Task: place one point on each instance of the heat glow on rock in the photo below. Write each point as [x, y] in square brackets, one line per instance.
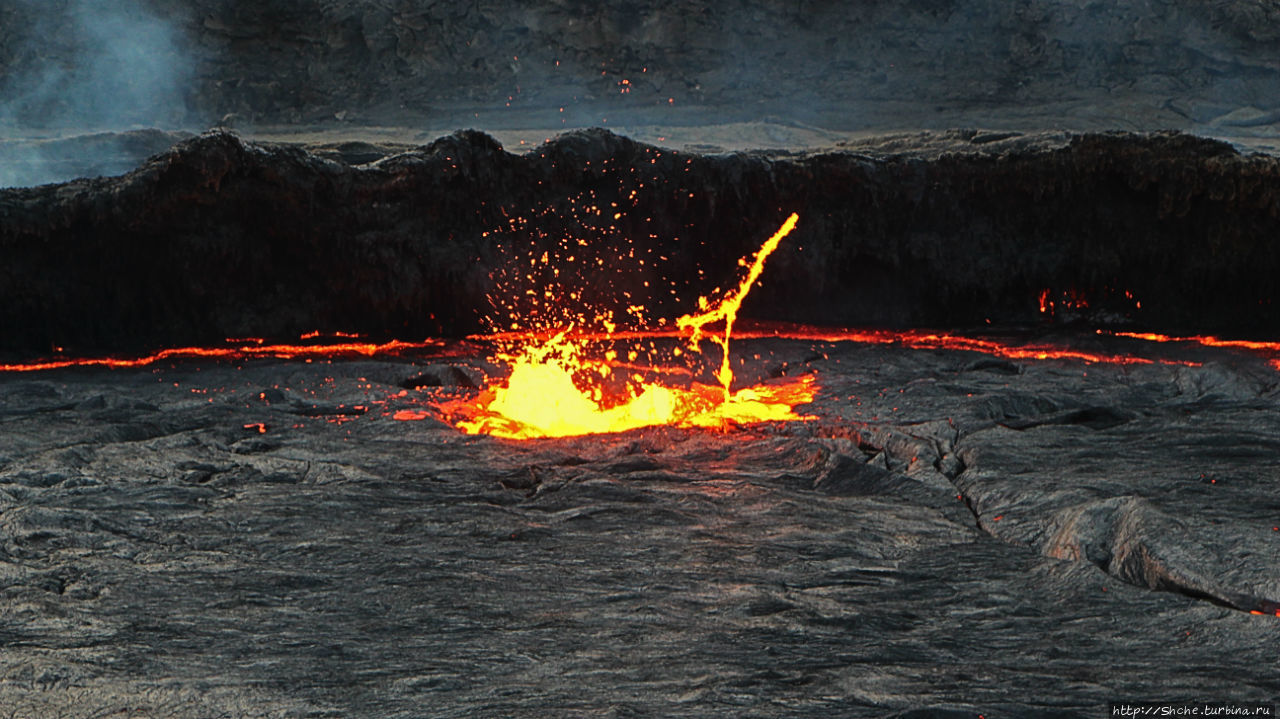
[561, 386]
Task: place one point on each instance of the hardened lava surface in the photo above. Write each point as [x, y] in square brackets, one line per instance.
[954, 535]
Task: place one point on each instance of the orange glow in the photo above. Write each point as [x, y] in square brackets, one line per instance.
[249, 349]
[923, 339]
[532, 378]
[557, 385]
[914, 339]
[541, 399]
[727, 310]
[1258, 347]
[1207, 341]
[315, 334]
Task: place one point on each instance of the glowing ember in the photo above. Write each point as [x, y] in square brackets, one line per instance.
[545, 396]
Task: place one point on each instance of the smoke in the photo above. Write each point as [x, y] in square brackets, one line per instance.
[77, 66]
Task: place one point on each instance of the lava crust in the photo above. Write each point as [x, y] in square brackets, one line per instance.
[953, 536]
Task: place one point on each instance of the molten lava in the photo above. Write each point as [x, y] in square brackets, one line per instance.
[1207, 341]
[574, 371]
[239, 350]
[727, 310]
[557, 386]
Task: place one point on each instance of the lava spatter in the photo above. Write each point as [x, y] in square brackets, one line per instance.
[558, 386]
[726, 311]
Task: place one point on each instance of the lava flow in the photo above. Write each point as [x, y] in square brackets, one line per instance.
[240, 350]
[557, 388]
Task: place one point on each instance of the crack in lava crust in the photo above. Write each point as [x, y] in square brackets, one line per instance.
[243, 349]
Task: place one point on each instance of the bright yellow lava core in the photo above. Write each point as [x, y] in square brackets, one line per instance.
[543, 396]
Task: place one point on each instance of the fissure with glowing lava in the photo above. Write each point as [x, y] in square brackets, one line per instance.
[584, 376]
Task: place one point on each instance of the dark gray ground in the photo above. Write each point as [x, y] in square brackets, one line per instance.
[1030, 539]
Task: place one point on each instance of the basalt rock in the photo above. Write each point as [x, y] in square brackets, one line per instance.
[312, 540]
[219, 237]
[891, 64]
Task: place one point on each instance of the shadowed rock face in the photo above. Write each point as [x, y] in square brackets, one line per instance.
[221, 238]
[951, 535]
[1153, 63]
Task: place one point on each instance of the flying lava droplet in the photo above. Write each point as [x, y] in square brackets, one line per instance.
[544, 394]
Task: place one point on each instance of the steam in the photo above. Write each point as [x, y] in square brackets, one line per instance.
[85, 66]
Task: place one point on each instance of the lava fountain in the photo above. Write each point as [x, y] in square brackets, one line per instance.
[563, 386]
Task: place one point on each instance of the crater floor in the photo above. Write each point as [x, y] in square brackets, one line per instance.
[954, 535]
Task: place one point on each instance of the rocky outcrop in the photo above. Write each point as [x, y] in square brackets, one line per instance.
[222, 238]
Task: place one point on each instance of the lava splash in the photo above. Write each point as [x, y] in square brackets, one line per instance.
[560, 386]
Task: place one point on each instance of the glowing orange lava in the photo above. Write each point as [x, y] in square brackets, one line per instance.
[914, 339]
[1207, 341]
[923, 339]
[242, 349]
[544, 394]
[727, 310]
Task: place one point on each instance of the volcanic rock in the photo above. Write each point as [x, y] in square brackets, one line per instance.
[907, 553]
[1162, 63]
[223, 238]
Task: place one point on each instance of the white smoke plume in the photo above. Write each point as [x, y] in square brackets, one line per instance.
[80, 66]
